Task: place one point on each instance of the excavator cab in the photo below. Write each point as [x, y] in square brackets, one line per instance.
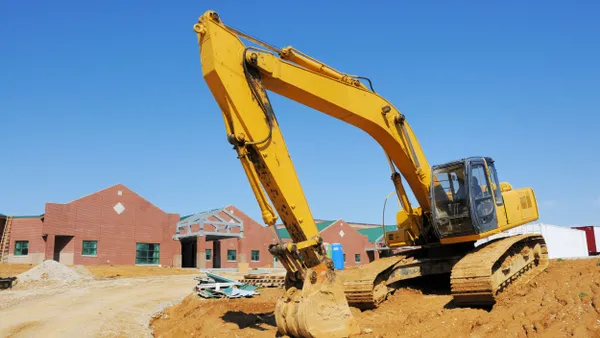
[464, 195]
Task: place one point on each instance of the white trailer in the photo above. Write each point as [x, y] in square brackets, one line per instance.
[562, 242]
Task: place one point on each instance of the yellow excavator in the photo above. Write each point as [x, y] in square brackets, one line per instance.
[460, 202]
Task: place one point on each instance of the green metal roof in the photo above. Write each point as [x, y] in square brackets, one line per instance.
[30, 216]
[323, 225]
[184, 217]
[284, 234]
[376, 232]
[25, 216]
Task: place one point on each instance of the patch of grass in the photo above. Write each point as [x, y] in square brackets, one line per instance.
[560, 260]
[582, 294]
[597, 263]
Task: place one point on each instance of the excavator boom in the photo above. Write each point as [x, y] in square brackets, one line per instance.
[239, 75]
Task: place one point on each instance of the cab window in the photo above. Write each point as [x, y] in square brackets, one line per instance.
[480, 192]
[495, 184]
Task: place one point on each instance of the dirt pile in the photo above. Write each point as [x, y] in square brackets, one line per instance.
[562, 301]
[48, 272]
[199, 317]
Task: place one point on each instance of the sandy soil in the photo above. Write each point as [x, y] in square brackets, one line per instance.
[105, 271]
[564, 301]
[94, 308]
[126, 271]
[9, 270]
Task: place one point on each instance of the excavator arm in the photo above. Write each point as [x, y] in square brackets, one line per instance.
[239, 76]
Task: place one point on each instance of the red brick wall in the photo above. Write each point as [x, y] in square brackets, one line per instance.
[27, 229]
[227, 244]
[93, 218]
[352, 241]
[201, 247]
[256, 237]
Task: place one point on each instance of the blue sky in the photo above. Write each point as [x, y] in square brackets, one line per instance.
[98, 93]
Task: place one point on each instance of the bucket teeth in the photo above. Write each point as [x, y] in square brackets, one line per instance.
[318, 309]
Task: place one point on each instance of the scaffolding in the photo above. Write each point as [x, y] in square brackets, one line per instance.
[222, 228]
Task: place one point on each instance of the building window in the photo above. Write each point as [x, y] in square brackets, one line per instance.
[21, 248]
[357, 258]
[208, 254]
[231, 255]
[344, 257]
[147, 253]
[255, 255]
[89, 248]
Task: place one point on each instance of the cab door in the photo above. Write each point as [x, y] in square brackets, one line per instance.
[483, 208]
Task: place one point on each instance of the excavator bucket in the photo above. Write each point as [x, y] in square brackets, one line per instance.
[318, 309]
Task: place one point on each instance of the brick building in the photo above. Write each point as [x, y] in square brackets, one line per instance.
[111, 226]
[117, 226]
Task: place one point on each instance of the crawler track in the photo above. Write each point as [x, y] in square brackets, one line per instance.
[363, 285]
[480, 275]
[368, 285]
[476, 277]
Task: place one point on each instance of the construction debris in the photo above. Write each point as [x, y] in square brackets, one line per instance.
[216, 286]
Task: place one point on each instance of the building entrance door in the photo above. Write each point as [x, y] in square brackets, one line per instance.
[216, 254]
[61, 252]
[189, 252]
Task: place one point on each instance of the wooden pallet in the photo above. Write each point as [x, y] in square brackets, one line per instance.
[263, 277]
[263, 281]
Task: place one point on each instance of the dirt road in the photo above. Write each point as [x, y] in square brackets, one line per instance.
[104, 308]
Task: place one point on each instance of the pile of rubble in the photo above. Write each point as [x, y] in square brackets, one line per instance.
[47, 273]
[215, 286]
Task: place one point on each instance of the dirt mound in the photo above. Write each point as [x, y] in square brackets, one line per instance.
[48, 272]
[195, 316]
[562, 301]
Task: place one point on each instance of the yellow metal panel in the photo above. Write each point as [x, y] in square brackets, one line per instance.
[512, 205]
[501, 214]
[399, 238]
